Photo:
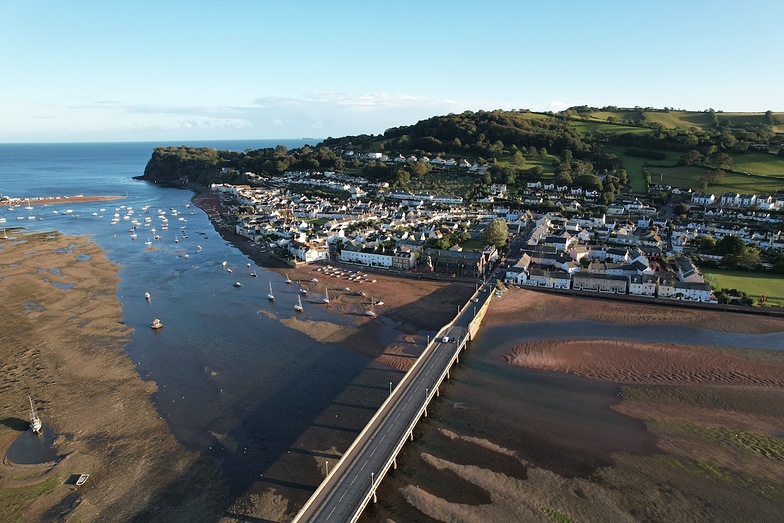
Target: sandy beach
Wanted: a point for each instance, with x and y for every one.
(660, 432)
(62, 343)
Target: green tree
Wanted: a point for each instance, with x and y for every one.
(730, 245)
(496, 233)
(518, 159)
(712, 177)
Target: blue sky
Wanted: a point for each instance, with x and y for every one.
(197, 70)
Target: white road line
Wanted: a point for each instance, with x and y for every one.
(341, 497)
(371, 454)
(331, 511)
(363, 465)
(353, 480)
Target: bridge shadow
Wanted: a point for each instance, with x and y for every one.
(282, 438)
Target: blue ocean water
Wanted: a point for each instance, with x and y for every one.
(233, 381)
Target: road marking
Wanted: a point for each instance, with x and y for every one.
(353, 480)
(341, 497)
(374, 451)
(363, 465)
(331, 511)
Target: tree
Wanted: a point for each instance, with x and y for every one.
(518, 159)
(712, 177)
(693, 157)
(720, 160)
(730, 245)
(497, 233)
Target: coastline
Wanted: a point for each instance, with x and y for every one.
(64, 345)
(57, 200)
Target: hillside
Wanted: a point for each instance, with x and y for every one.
(607, 149)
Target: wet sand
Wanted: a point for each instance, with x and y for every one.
(599, 430)
(62, 342)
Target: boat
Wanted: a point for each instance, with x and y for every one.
(156, 324)
(35, 421)
(133, 236)
(302, 291)
(370, 312)
(82, 479)
(29, 207)
(270, 295)
(326, 295)
(229, 270)
(253, 273)
(148, 242)
(147, 296)
(237, 284)
(298, 306)
(288, 280)
(225, 263)
(248, 265)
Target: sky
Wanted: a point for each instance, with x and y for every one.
(88, 71)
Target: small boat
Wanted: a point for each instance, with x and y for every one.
(326, 295)
(288, 280)
(82, 479)
(35, 421)
(370, 312)
(253, 273)
(248, 265)
(271, 296)
(156, 324)
(229, 270)
(314, 280)
(298, 306)
(147, 296)
(225, 263)
(133, 236)
(302, 291)
(237, 284)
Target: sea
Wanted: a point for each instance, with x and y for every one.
(236, 384)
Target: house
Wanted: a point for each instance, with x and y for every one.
(701, 198)
(681, 290)
(456, 263)
(609, 283)
(729, 199)
(548, 279)
(643, 284)
(687, 271)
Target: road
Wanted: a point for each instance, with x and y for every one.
(341, 498)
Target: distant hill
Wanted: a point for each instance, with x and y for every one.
(685, 149)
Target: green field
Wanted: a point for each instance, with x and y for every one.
(688, 177)
(763, 164)
(685, 119)
(752, 283)
(589, 127)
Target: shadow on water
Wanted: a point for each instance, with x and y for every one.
(31, 449)
(323, 402)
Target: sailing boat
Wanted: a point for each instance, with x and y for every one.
(147, 296)
(288, 280)
(35, 421)
(271, 296)
(326, 295)
(29, 207)
(370, 311)
(298, 306)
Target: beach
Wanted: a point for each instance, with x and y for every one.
(599, 428)
(62, 343)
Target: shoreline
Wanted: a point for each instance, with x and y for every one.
(57, 200)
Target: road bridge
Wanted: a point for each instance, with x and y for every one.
(353, 481)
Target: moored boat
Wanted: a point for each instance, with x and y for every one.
(156, 324)
(35, 421)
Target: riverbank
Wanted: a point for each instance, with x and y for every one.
(57, 200)
(588, 428)
(63, 343)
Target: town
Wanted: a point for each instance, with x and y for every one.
(633, 248)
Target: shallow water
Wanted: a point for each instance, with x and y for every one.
(30, 449)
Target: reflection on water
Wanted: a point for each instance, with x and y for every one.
(30, 449)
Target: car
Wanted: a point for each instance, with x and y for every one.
(452, 339)
(475, 300)
(445, 339)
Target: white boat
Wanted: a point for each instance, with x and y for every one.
(133, 236)
(303, 291)
(370, 312)
(326, 295)
(288, 280)
(156, 324)
(271, 296)
(298, 306)
(229, 270)
(225, 263)
(29, 207)
(253, 273)
(147, 296)
(237, 284)
(148, 242)
(35, 421)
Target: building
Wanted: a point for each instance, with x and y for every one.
(643, 284)
(609, 283)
